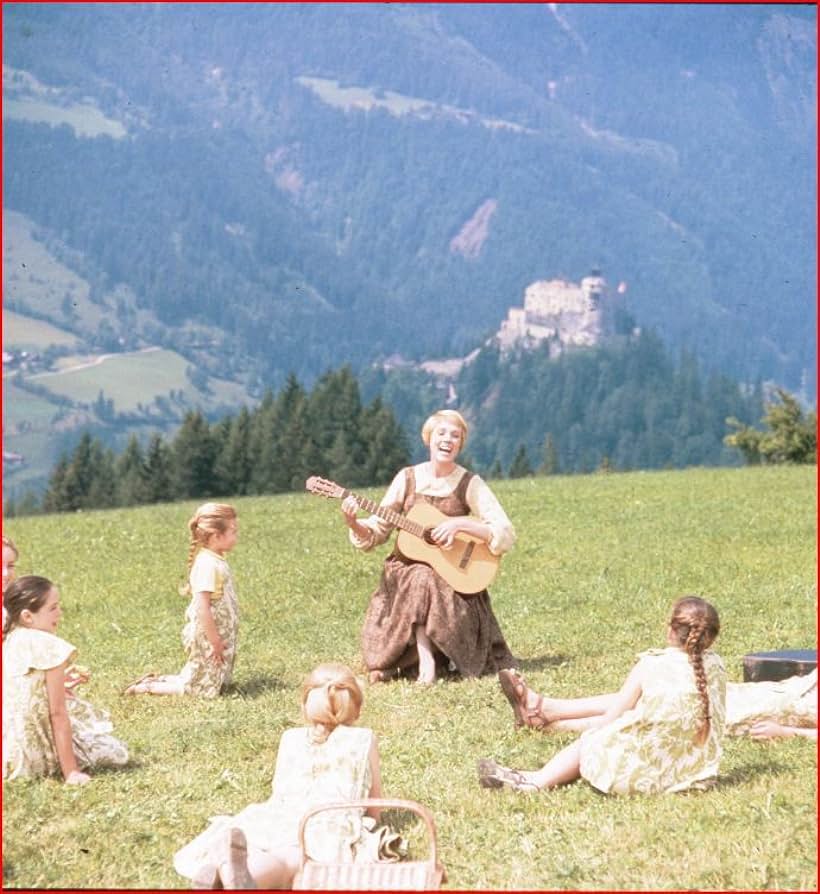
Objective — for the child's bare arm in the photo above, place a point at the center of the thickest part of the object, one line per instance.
(206, 616)
(375, 777)
(623, 700)
(61, 726)
(770, 729)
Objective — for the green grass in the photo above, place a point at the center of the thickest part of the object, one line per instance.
(598, 562)
(135, 377)
(24, 332)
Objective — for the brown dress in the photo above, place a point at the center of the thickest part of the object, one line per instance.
(462, 628)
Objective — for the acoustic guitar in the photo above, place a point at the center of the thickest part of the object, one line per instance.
(468, 566)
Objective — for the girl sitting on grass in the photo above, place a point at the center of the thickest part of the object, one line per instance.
(326, 760)
(212, 616)
(75, 673)
(43, 731)
(660, 733)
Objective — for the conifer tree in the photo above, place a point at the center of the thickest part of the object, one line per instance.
(54, 498)
(549, 462)
(79, 474)
(520, 467)
(384, 443)
(194, 452)
(232, 469)
(131, 474)
(158, 471)
(103, 491)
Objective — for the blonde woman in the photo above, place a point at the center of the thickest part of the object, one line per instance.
(212, 617)
(326, 760)
(415, 620)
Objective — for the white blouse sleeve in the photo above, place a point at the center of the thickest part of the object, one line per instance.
(484, 504)
(380, 529)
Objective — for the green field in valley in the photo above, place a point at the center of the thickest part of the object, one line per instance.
(135, 377)
(598, 562)
(26, 333)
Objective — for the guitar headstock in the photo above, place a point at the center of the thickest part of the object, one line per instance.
(324, 488)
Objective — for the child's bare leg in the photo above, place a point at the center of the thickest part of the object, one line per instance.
(274, 869)
(165, 685)
(427, 661)
(562, 768)
(572, 725)
(572, 708)
(547, 713)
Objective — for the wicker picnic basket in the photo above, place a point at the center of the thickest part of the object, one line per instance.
(408, 875)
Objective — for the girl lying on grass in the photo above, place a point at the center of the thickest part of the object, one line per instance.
(326, 760)
(44, 730)
(766, 709)
(212, 616)
(660, 733)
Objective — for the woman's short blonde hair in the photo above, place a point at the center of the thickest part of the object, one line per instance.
(450, 416)
(331, 697)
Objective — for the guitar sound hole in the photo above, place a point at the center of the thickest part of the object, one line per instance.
(427, 536)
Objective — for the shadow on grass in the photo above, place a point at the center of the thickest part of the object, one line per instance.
(541, 662)
(748, 772)
(256, 686)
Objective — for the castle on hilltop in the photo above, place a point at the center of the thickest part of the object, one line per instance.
(565, 312)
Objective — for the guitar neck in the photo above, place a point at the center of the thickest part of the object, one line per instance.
(389, 515)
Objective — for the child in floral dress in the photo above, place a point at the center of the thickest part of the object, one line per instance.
(661, 732)
(212, 616)
(327, 760)
(44, 730)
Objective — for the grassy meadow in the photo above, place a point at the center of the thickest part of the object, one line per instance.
(133, 377)
(598, 562)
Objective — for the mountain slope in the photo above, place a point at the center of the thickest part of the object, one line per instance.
(301, 176)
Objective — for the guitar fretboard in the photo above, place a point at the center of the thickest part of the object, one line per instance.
(389, 515)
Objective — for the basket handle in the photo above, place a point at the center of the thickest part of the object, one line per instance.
(384, 803)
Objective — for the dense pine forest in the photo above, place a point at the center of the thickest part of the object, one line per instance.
(625, 405)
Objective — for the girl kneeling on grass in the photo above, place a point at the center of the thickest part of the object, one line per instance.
(660, 733)
(43, 730)
(326, 760)
(212, 616)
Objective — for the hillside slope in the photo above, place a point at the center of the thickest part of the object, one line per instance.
(298, 176)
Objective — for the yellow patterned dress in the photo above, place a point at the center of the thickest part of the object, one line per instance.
(28, 740)
(201, 675)
(790, 702)
(307, 774)
(650, 749)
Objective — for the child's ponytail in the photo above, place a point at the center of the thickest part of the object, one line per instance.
(331, 697)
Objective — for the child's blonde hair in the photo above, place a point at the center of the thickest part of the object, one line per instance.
(695, 624)
(451, 416)
(7, 541)
(209, 519)
(331, 696)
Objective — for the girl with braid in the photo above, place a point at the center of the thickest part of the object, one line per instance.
(212, 617)
(661, 732)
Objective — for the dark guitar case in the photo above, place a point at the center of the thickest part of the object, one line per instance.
(778, 665)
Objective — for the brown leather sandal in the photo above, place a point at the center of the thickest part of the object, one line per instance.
(514, 687)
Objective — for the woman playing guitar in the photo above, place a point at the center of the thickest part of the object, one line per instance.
(415, 618)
